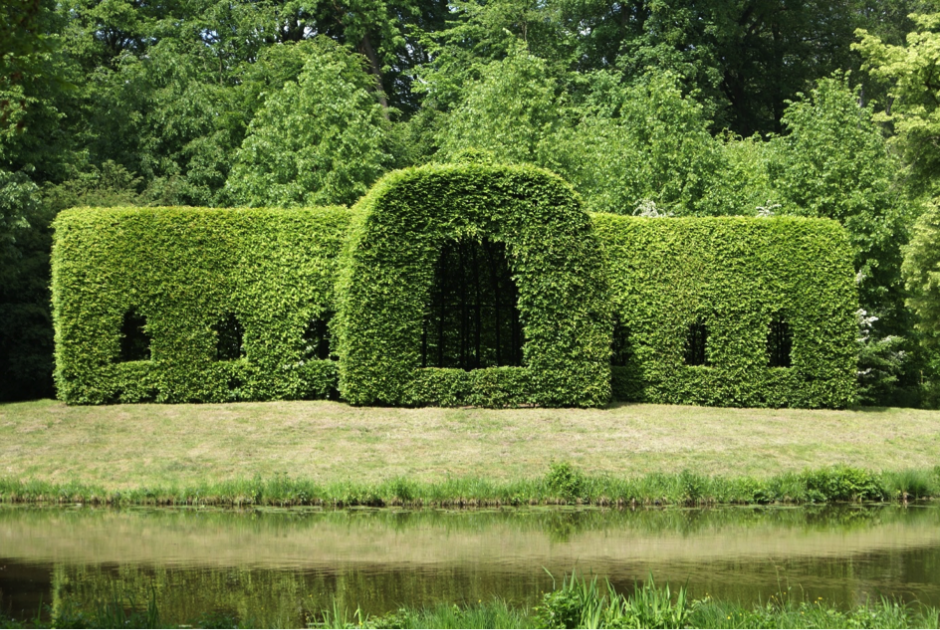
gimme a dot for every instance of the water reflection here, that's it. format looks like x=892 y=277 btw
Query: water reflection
x=281 y=567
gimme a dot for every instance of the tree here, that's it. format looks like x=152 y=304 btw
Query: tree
x=835 y=163
x=914 y=110
x=638 y=143
x=25 y=321
x=321 y=139
x=921 y=271
x=509 y=112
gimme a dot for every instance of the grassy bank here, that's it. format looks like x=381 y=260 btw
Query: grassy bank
x=575 y=603
x=123 y=448
x=562 y=484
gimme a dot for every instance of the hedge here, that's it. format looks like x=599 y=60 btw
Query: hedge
x=186 y=272
x=211 y=305
x=387 y=272
x=739 y=279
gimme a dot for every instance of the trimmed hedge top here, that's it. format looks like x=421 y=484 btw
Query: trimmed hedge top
x=210 y=305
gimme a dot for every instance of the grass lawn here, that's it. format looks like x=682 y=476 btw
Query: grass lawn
x=129 y=446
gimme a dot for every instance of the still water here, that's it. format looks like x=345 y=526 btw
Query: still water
x=281 y=567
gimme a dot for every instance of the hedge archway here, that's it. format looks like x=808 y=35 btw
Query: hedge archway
x=556 y=261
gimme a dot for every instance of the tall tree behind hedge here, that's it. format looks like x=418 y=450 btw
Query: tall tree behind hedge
x=511 y=111
x=641 y=144
x=835 y=163
x=910 y=73
x=322 y=139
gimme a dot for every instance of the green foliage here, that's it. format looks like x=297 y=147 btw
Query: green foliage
x=909 y=71
x=842 y=483
x=388 y=268
x=580 y=603
x=109 y=186
x=576 y=603
x=880 y=363
x=921 y=271
x=641 y=142
x=834 y=163
x=19 y=198
x=565 y=481
x=510 y=111
x=320 y=140
x=25 y=321
x=185 y=271
x=560 y=485
x=735 y=276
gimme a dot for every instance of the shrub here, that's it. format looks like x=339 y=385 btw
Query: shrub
x=468 y=284
x=700 y=297
x=388 y=269
x=189 y=273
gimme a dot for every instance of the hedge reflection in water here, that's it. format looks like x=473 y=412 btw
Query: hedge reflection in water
x=280 y=568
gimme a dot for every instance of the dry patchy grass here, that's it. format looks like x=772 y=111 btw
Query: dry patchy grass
x=129 y=446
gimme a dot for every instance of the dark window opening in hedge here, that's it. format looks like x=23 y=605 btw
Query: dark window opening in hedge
x=135 y=341
x=621 y=347
x=317 y=337
x=779 y=343
x=695 y=340
x=472 y=317
x=229 y=336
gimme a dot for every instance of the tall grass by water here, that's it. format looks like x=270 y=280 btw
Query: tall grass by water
x=578 y=602
x=561 y=484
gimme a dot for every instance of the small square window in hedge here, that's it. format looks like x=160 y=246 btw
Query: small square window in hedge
x=472 y=317
x=135 y=341
x=696 y=339
x=317 y=337
x=229 y=335
x=779 y=343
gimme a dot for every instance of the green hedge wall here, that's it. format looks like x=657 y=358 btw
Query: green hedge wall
x=387 y=270
x=276 y=271
x=735 y=275
x=183 y=269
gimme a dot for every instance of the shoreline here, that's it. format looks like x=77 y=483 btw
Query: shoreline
x=561 y=485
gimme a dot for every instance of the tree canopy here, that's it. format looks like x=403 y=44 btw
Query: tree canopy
x=748 y=107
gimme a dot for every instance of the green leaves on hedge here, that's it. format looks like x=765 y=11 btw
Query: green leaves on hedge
x=735 y=276
x=185 y=271
x=556 y=263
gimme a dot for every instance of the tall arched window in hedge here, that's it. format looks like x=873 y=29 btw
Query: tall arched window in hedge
x=135 y=340
x=229 y=336
x=696 y=339
x=779 y=343
x=472 y=318
x=317 y=337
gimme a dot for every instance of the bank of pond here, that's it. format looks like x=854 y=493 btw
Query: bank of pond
x=578 y=603
x=561 y=484
x=848 y=565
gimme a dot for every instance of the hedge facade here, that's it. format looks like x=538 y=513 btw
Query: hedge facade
x=388 y=269
x=452 y=285
x=735 y=278
x=183 y=271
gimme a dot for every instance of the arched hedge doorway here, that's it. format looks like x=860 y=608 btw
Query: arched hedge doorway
x=414 y=221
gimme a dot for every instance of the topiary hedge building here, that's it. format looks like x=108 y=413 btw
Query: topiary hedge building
x=452 y=285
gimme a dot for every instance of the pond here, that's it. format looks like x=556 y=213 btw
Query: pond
x=282 y=567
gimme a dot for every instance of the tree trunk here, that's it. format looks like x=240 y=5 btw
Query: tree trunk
x=365 y=47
